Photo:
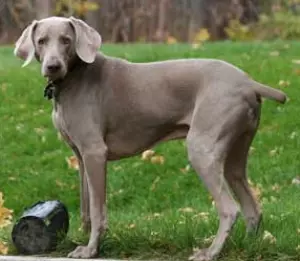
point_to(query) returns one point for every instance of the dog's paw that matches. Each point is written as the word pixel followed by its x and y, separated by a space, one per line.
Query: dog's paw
pixel 201 255
pixel 83 252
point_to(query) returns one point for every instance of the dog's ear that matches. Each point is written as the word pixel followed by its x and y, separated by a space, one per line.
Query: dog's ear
pixel 24 47
pixel 88 40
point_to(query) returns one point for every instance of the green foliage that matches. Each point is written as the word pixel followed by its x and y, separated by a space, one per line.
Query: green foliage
pixel 280 20
pixel 238 32
pixel 283 25
pixel 279 25
pixel 75 7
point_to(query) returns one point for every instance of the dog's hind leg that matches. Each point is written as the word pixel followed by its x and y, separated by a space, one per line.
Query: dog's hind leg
pixel 236 176
pixel 209 141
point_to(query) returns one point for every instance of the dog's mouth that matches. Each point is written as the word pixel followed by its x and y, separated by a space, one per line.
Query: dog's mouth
pixel 54 76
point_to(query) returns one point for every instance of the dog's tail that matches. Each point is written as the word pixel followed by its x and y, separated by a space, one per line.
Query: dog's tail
pixel 268 92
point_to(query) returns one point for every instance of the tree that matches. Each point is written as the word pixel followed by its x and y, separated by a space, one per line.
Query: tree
pixel 43 8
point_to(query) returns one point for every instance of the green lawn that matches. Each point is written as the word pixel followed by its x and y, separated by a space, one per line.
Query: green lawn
pixel 34 167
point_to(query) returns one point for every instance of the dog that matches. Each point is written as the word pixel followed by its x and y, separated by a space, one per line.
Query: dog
pixel 108 108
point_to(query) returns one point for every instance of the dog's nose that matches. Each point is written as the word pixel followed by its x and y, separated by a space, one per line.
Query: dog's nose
pixel 53 68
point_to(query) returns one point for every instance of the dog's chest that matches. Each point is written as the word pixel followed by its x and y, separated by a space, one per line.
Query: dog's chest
pixel 60 123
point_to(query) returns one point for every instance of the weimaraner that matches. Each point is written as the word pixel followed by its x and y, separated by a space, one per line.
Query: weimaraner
pixel 108 108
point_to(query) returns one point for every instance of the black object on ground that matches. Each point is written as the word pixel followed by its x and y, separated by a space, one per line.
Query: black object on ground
pixel 41 227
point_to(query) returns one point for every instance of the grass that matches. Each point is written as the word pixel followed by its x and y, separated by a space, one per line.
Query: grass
pixel 33 164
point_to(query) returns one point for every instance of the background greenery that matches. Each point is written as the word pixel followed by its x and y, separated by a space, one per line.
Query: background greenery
pixel 156 210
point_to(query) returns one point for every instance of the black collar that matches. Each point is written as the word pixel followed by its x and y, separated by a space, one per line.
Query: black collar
pixel 54 87
pixel 51 90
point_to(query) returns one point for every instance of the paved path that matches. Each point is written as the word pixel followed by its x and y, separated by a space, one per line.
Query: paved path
pixel 38 258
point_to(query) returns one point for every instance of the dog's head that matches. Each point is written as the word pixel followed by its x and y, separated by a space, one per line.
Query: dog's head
pixel 56 42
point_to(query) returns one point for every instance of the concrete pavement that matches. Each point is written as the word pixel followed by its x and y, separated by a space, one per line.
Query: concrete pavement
pixel 39 258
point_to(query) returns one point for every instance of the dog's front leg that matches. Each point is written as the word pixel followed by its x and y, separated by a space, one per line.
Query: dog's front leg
pixel 84 199
pixel 95 170
pixel 84 190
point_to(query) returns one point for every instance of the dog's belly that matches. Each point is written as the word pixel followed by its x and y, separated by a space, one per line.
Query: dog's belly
pixel 120 147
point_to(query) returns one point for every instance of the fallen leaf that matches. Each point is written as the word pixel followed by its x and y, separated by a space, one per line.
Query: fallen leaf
pixel 296 61
pixel 120 191
pixel 272 217
pixel 296 181
pixel 186 210
pixel 186 169
pixel 153 233
pixel 132 226
pixel 157 160
pixel 298 230
pixel 280 109
pixel 267 236
pixel 273 152
pixel 202 215
pixel 11 178
pixel 3 248
pixel 297 71
pixel 252 150
pixel 151 217
pixel 276 187
pixel 256 191
pixel 270 128
pixel 283 83
pixel 250 182
pixel 39 130
pixel 298 248
pixel 73 162
pixel 274 53
pixel 147 154
pixel 59 183
pixel 5 213
pixel 264 201
pixel 195 251
pixel 209 239
pixel 3 87
pixel 20 127
pixel 293 135
pixel 117 168
pixel 153 186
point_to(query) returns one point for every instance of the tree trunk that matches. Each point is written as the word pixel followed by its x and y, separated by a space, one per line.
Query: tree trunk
pixel 93 18
pixel 217 14
pixel 160 33
pixel 43 8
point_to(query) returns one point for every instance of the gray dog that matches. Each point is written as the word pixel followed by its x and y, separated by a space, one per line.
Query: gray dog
pixel 107 109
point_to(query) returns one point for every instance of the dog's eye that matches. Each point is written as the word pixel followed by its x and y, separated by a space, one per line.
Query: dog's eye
pixel 65 40
pixel 41 41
